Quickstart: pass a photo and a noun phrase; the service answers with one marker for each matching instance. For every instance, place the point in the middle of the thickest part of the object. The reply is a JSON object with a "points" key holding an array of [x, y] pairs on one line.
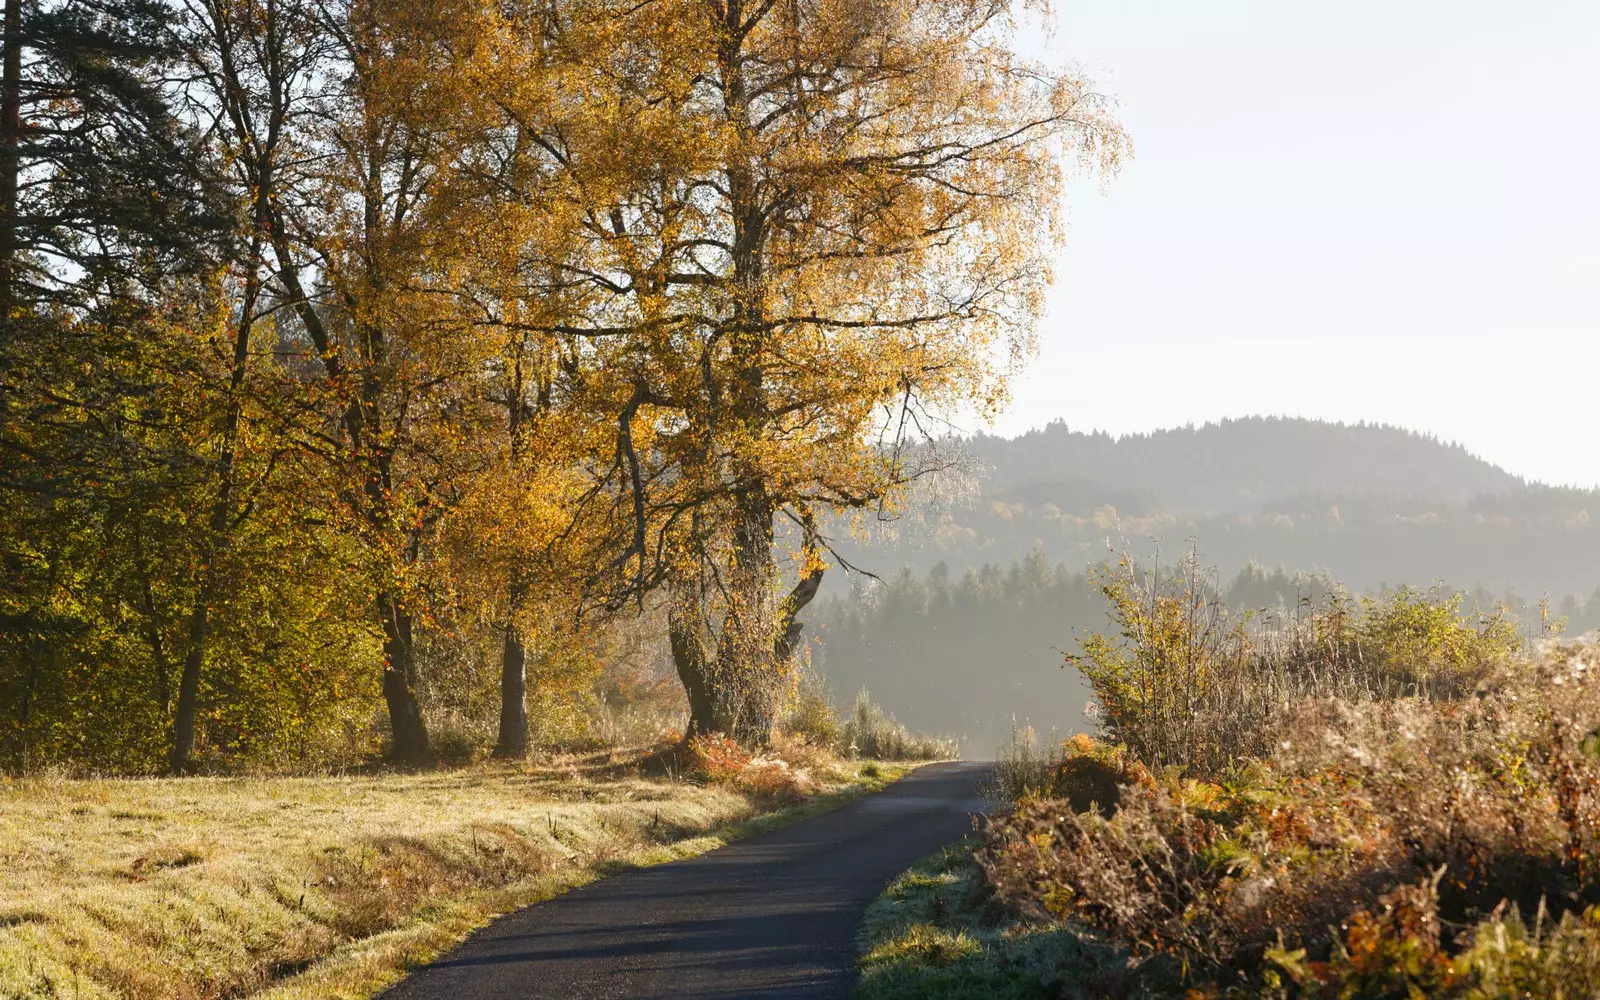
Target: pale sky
{"points": [[1372, 210]]}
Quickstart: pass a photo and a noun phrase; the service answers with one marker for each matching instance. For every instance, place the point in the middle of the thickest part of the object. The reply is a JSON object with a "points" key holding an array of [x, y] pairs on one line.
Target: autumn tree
{"points": [[548, 536], [838, 221], [411, 216], [112, 219]]}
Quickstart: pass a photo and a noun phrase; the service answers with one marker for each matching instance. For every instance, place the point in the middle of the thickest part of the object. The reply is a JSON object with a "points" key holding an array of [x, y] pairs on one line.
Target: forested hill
{"points": [[1237, 465], [1370, 504]]}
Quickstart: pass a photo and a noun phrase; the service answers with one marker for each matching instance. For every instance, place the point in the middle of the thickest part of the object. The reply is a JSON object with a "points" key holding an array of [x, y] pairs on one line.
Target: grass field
{"points": [[327, 887]]}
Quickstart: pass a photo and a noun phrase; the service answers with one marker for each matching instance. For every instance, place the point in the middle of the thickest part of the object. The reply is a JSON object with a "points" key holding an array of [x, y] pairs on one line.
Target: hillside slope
{"points": [[1373, 505], [1236, 465]]}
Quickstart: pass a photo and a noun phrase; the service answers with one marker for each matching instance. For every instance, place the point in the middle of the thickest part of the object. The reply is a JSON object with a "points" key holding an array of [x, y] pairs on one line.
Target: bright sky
{"points": [[1376, 209]]}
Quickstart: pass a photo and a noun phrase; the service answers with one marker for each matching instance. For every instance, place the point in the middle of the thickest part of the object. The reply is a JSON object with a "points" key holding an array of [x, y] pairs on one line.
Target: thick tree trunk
{"points": [[735, 689], [411, 746], [513, 739], [684, 633], [745, 666]]}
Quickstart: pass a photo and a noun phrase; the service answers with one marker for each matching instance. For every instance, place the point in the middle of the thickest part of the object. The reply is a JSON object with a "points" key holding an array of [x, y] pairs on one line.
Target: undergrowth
{"points": [[1385, 798]]}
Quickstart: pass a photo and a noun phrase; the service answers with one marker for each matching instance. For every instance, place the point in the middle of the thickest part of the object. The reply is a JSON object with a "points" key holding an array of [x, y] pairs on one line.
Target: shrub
{"points": [[715, 757], [458, 739], [1185, 682], [1025, 765], [810, 715], [785, 772], [1384, 847], [872, 732]]}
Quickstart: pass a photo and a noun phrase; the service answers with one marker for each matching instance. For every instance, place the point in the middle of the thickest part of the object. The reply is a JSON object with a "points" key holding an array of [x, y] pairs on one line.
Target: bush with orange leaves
{"points": [[784, 772], [1388, 847]]}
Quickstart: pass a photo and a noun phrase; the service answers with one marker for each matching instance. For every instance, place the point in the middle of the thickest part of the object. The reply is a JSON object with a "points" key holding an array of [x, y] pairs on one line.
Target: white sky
{"points": [[1361, 210]]}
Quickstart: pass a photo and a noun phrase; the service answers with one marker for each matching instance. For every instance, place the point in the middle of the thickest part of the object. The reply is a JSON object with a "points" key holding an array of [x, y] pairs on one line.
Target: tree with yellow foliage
{"points": [[827, 221]]}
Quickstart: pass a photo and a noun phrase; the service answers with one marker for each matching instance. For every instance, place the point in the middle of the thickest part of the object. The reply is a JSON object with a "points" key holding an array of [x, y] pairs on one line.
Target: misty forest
{"points": [[451, 452]]}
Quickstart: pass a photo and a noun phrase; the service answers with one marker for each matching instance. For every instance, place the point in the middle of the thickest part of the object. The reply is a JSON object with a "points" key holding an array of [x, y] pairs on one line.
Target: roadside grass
{"points": [[331, 887], [937, 934]]}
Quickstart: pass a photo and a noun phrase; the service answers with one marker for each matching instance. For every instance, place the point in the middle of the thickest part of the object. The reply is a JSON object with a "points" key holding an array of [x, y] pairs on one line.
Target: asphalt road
{"points": [[772, 916]]}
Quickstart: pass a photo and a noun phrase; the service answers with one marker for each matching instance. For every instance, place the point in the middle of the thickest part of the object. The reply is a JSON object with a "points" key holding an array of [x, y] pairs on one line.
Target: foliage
{"points": [[1395, 846]]}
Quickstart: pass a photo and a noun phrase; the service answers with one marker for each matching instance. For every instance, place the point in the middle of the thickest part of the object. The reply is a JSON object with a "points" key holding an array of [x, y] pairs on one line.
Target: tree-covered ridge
{"points": [[1372, 505], [1236, 465]]}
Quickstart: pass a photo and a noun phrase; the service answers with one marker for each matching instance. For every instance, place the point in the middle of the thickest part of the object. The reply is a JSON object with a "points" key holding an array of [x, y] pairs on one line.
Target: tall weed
{"points": [[870, 732]]}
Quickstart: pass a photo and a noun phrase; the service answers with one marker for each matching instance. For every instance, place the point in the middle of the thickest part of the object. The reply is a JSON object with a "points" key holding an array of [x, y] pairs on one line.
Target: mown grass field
{"points": [[329, 887]]}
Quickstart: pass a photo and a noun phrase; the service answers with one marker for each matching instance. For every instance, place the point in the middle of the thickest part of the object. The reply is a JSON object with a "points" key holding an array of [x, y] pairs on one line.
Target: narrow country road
{"points": [[772, 916]]}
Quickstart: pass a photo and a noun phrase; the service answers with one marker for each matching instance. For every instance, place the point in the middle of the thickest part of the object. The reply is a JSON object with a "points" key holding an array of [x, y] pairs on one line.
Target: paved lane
{"points": [[772, 916]]}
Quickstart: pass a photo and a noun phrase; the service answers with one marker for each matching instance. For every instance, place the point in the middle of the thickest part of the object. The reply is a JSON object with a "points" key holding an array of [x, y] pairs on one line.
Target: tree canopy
{"points": [[339, 334]]}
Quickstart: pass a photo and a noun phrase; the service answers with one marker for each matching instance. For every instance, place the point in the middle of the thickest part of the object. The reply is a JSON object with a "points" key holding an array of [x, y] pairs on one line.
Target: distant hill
{"points": [[981, 596], [1237, 465], [1370, 504]]}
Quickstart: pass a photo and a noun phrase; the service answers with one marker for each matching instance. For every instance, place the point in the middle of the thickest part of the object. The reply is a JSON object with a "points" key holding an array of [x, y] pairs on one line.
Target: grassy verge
{"points": [[328, 887], [936, 934]]}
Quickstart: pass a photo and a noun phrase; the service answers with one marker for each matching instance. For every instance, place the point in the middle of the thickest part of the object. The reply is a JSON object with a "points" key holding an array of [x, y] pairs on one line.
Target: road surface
{"points": [[772, 916]]}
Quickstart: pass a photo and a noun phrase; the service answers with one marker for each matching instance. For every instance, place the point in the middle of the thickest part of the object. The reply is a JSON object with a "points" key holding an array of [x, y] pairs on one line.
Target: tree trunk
{"points": [[217, 528], [735, 690], [513, 739], [745, 651], [399, 686], [162, 682], [689, 657], [189, 685], [10, 158]]}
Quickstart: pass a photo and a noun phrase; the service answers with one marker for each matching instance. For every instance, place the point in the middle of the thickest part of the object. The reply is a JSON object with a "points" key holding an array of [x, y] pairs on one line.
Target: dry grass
{"points": [[1406, 847], [871, 732], [322, 887]]}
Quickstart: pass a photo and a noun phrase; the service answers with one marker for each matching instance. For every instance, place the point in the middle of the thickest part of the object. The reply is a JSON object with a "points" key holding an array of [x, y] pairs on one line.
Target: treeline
{"points": [[365, 356], [969, 653]]}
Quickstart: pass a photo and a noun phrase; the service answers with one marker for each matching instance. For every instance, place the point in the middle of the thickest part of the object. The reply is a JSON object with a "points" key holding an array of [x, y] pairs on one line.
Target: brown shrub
{"points": [[786, 773], [1418, 825]]}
